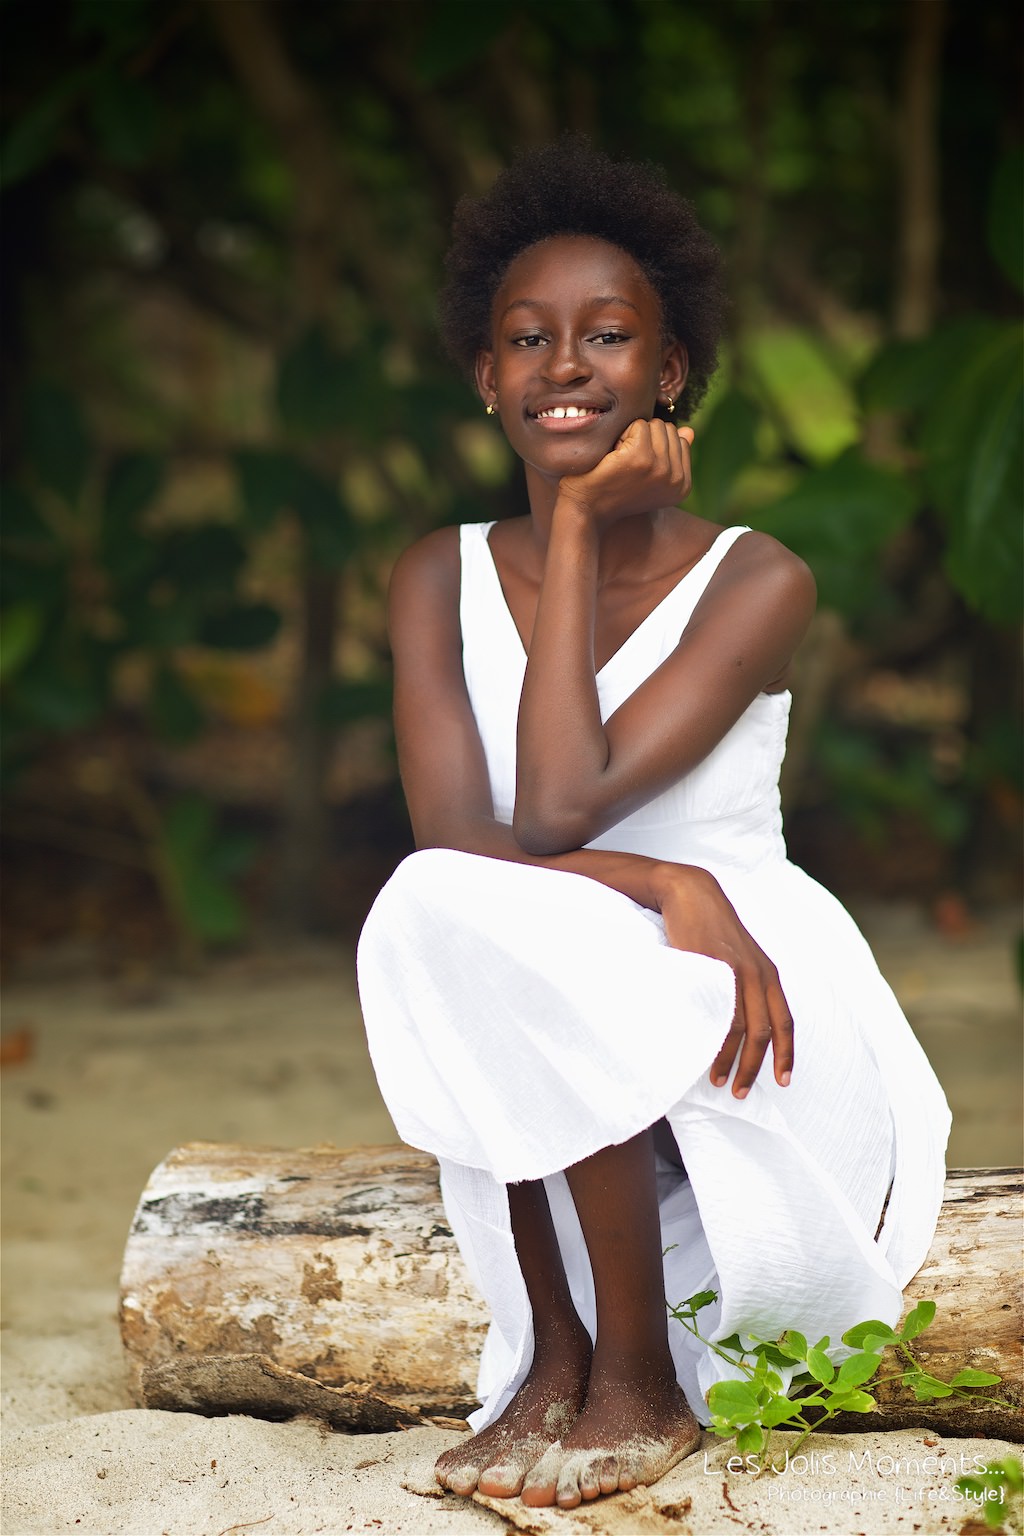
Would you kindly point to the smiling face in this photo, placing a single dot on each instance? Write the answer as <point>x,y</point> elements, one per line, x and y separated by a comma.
<point>578,353</point>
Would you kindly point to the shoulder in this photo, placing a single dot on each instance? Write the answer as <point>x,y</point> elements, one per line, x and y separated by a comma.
<point>431,561</point>
<point>425,578</point>
<point>757,558</point>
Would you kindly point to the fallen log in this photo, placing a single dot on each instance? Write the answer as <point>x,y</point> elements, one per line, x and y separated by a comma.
<point>328,1282</point>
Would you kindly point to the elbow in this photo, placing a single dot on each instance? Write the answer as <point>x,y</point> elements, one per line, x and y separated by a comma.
<point>544,834</point>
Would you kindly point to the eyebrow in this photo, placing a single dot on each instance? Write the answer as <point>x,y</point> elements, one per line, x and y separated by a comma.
<point>600,299</point>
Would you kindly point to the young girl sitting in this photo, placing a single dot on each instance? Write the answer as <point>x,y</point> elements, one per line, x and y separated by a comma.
<point>651,1055</point>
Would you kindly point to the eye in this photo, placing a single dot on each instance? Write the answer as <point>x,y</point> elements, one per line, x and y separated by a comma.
<point>530,339</point>
<point>609,338</point>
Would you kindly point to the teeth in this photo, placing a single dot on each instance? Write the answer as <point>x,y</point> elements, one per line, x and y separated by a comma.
<point>561,412</point>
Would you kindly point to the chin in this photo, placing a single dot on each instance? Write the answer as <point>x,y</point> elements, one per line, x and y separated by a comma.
<point>572,458</point>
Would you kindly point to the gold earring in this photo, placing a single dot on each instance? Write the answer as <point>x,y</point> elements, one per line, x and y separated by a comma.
<point>670,405</point>
<point>491,407</point>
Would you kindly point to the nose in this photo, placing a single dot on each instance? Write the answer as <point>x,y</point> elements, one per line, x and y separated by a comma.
<point>565,360</point>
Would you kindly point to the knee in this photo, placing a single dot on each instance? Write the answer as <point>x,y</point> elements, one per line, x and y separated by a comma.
<point>418,886</point>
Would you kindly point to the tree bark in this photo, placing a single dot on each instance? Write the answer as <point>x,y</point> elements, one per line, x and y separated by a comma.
<point>920,220</point>
<point>328,1282</point>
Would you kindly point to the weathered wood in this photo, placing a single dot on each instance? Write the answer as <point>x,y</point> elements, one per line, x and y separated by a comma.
<point>327,1281</point>
<point>337,1265</point>
<point>973,1274</point>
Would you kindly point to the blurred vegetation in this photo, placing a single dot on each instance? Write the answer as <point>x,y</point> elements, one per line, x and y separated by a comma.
<point>225,407</point>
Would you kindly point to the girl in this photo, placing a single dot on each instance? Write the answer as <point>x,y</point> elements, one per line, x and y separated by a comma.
<point>583,993</point>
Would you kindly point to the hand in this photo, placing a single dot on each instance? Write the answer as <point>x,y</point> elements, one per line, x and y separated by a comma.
<point>648,468</point>
<point>698,917</point>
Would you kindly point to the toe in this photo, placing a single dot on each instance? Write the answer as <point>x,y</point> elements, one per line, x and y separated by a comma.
<point>501,1481</point>
<point>567,1493</point>
<point>631,1472</point>
<point>590,1479</point>
<point>540,1483</point>
<point>608,1475</point>
<point>461,1480</point>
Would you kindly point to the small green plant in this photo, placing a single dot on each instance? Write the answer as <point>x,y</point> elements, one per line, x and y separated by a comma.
<point>998,1491</point>
<point>751,1407</point>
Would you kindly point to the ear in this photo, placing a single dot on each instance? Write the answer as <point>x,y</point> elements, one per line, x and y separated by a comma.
<point>483,373</point>
<point>675,365</point>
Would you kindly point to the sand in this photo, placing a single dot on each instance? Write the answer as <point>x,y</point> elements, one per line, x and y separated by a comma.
<point>269,1049</point>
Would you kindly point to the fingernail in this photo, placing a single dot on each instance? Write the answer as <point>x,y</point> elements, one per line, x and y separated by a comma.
<point>719,1082</point>
<point>784,1079</point>
<point>740,1093</point>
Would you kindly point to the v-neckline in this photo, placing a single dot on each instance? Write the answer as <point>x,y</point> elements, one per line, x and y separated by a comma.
<point>599,671</point>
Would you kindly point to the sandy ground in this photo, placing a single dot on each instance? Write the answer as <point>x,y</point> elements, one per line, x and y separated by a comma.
<point>269,1049</point>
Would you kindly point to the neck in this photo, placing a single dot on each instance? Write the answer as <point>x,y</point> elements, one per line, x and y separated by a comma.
<point>624,544</point>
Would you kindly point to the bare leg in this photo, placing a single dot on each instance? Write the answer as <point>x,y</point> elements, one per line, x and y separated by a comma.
<point>546,1405</point>
<point>636,1422</point>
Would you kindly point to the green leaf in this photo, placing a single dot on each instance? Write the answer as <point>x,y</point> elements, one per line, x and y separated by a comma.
<point>128,553</point>
<point>232,854</point>
<point>1011,1469</point>
<point>23,525</point>
<point>326,520</point>
<point>839,518</point>
<point>58,695</point>
<point>972,1378</point>
<point>773,1354</point>
<point>203,559</point>
<point>702,1299</point>
<point>781,1411</point>
<point>187,827</point>
<point>859,1335</point>
<point>793,1345</point>
<point>343,702</point>
<point>733,1400</point>
<point>750,1438</point>
<point>820,1366</point>
<point>161,621</point>
<point>134,480</point>
<point>917,1320</point>
<point>853,1402</point>
<point>926,1387</point>
<point>972,439</point>
<point>21,628</point>
<point>213,910</point>
<point>857,1369</point>
<point>241,627</point>
<point>313,385</point>
<point>268,481</point>
<point>173,709</point>
<point>908,375</point>
<point>208,905</point>
<point>58,443</point>
<point>724,448</point>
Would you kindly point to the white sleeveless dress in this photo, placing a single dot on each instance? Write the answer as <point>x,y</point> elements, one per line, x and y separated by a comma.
<point>520,1019</point>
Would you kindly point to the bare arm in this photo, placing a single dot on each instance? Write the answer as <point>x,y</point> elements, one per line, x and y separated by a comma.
<point>444,775</point>
<point>577,776</point>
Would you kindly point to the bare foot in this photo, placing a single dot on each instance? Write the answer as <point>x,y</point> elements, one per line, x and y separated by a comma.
<point>545,1408</point>
<point>626,1435</point>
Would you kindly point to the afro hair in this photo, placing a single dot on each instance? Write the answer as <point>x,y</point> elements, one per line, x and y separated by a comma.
<point>570,188</point>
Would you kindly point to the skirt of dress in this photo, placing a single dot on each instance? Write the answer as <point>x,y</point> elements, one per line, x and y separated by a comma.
<point>520,1019</point>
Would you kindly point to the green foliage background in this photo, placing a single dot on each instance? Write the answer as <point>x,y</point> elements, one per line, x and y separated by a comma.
<point>226,410</point>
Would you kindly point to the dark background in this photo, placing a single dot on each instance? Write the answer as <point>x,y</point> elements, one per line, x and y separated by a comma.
<point>225,410</point>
